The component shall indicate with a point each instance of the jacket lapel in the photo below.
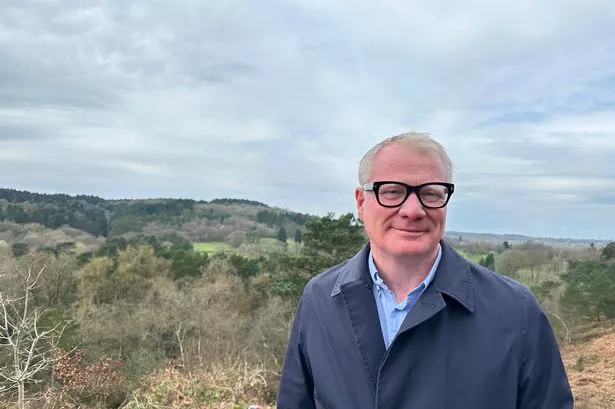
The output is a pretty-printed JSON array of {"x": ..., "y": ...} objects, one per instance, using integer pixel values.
[
  {"x": 355, "y": 287},
  {"x": 452, "y": 279},
  {"x": 430, "y": 303},
  {"x": 363, "y": 316}
]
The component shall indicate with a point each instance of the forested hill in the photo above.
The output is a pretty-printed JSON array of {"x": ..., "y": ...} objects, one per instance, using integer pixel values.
[{"x": 193, "y": 220}]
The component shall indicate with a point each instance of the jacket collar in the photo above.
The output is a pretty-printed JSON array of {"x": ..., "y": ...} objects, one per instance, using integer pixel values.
[
  {"x": 355, "y": 269},
  {"x": 453, "y": 276}
]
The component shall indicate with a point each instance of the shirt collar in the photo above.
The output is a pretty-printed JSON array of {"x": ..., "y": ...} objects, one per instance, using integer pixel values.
[{"x": 373, "y": 272}]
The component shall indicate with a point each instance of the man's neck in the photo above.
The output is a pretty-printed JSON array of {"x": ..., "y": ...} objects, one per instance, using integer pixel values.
[{"x": 402, "y": 274}]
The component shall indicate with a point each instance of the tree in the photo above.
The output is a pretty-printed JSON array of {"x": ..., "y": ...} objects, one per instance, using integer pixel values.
[
  {"x": 112, "y": 308},
  {"x": 191, "y": 318},
  {"x": 590, "y": 289},
  {"x": 327, "y": 241},
  {"x": 185, "y": 262},
  {"x": 57, "y": 286},
  {"x": 510, "y": 262},
  {"x": 136, "y": 268},
  {"x": 244, "y": 267},
  {"x": 544, "y": 290},
  {"x": 339, "y": 238},
  {"x": 298, "y": 235},
  {"x": 488, "y": 261},
  {"x": 30, "y": 347},
  {"x": 476, "y": 247},
  {"x": 236, "y": 238},
  {"x": 20, "y": 249},
  {"x": 608, "y": 253},
  {"x": 282, "y": 235}
]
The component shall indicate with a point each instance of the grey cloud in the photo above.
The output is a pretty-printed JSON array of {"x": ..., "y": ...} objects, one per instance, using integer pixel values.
[
  {"x": 603, "y": 198},
  {"x": 554, "y": 160},
  {"x": 12, "y": 133},
  {"x": 276, "y": 101}
]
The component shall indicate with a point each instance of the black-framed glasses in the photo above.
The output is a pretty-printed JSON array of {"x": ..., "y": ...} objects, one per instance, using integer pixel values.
[{"x": 432, "y": 195}]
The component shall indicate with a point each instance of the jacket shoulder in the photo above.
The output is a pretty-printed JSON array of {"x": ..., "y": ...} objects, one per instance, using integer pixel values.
[
  {"x": 499, "y": 289},
  {"x": 323, "y": 282}
]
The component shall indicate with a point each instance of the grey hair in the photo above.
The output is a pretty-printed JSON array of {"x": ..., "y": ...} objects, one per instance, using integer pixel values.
[{"x": 422, "y": 142}]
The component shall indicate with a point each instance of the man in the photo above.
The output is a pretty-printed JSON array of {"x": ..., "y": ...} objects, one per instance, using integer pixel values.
[{"x": 408, "y": 322}]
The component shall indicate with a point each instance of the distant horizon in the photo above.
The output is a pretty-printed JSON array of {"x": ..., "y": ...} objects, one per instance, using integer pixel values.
[{"x": 282, "y": 208}]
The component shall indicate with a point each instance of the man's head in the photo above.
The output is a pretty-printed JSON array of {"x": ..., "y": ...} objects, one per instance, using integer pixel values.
[{"x": 414, "y": 226}]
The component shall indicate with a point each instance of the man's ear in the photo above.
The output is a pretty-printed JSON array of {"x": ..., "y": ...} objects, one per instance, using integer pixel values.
[{"x": 359, "y": 195}]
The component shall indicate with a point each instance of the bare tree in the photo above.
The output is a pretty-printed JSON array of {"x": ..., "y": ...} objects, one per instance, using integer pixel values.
[
  {"x": 568, "y": 334},
  {"x": 28, "y": 347}
]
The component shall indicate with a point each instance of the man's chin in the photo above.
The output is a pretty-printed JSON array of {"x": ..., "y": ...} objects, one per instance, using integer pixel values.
[{"x": 411, "y": 249}]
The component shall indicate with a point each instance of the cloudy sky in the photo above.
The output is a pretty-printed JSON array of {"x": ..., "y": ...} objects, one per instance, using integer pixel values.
[{"x": 277, "y": 101}]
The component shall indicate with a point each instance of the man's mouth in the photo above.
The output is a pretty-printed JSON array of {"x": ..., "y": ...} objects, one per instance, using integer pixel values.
[{"x": 411, "y": 231}]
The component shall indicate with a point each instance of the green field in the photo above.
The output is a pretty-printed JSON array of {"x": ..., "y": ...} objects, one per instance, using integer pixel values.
[
  {"x": 472, "y": 257},
  {"x": 212, "y": 247},
  {"x": 268, "y": 241},
  {"x": 264, "y": 245}
]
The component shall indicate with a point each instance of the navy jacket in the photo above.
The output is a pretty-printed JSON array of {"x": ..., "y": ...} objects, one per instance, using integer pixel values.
[{"x": 474, "y": 340}]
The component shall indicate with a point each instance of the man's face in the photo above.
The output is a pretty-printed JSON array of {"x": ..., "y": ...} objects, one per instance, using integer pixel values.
[{"x": 411, "y": 229}]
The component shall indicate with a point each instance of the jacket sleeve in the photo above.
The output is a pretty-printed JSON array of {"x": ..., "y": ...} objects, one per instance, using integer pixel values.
[
  {"x": 296, "y": 382},
  {"x": 543, "y": 382}
]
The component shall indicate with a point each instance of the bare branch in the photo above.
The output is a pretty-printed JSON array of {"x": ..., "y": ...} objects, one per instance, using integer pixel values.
[
  {"x": 568, "y": 337},
  {"x": 30, "y": 346}
]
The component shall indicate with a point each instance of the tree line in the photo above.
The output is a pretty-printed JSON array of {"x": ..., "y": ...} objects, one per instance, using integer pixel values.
[
  {"x": 276, "y": 218},
  {"x": 106, "y": 218}
]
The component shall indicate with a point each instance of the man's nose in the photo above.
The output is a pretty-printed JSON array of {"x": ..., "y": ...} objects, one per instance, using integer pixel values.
[{"x": 412, "y": 207}]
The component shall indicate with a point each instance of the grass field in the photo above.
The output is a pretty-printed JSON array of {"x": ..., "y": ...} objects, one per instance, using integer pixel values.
[
  {"x": 472, "y": 257},
  {"x": 264, "y": 245},
  {"x": 212, "y": 247},
  {"x": 291, "y": 244}
]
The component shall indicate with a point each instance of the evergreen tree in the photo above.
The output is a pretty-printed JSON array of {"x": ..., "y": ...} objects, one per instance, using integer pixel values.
[
  {"x": 590, "y": 289},
  {"x": 282, "y": 235},
  {"x": 488, "y": 261},
  {"x": 608, "y": 253},
  {"x": 19, "y": 249},
  {"x": 327, "y": 241}
]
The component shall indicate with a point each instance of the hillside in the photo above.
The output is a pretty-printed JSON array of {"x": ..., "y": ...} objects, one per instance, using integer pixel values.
[
  {"x": 176, "y": 220},
  {"x": 591, "y": 370}
]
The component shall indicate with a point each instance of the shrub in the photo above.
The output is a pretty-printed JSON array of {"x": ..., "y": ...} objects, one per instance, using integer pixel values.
[{"x": 82, "y": 383}]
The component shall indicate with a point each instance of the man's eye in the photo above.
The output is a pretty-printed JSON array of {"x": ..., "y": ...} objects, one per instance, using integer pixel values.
[
  {"x": 433, "y": 194},
  {"x": 392, "y": 191}
]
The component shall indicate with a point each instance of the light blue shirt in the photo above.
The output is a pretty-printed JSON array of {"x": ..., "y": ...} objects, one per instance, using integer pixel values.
[{"x": 391, "y": 313}]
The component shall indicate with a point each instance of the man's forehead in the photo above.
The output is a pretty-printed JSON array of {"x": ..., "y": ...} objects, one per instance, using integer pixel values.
[
  {"x": 404, "y": 161},
  {"x": 403, "y": 153}
]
